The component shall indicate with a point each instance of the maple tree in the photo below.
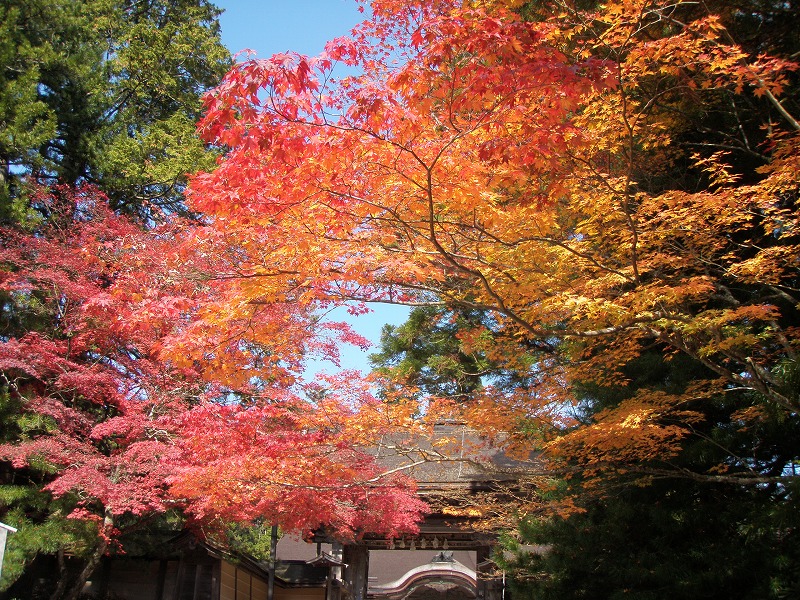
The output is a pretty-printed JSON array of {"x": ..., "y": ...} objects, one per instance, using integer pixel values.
[
  {"x": 86, "y": 403},
  {"x": 523, "y": 168},
  {"x": 102, "y": 436},
  {"x": 587, "y": 183},
  {"x": 90, "y": 410},
  {"x": 287, "y": 463}
]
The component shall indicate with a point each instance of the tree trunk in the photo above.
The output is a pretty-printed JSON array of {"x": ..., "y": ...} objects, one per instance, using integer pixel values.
[{"x": 70, "y": 590}]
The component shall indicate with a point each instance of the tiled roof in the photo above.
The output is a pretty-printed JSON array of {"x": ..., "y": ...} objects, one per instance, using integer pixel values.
[{"x": 453, "y": 456}]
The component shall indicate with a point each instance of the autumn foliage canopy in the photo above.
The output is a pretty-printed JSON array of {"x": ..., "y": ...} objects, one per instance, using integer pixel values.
[
  {"x": 536, "y": 170},
  {"x": 540, "y": 170},
  {"x": 123, "y": 432}
]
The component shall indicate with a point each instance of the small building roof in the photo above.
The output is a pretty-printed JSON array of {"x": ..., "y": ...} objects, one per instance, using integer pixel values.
[{"x": 323, "y": 559}]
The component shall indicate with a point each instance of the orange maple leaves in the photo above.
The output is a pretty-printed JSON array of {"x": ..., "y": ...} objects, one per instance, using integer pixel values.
[
  {"x": 520, "y": 168},
  {"x": 482, "y": 160}
]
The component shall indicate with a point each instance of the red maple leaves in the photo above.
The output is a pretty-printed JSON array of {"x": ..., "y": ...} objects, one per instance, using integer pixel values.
[{"x": 118, "y": 424}]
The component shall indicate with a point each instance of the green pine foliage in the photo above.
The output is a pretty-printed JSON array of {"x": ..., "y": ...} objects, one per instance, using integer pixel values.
[
  {"x": 106, "y": 92},
  {"x": 672, "y": 539},
  {"x": 451, "y": 352}
]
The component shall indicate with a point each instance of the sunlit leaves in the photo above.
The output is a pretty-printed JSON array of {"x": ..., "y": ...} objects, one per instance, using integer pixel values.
[
  {"x": 525, "y": 169},
  {"x": 138, "y": 399},
  {"x": 290, "y": 465}
]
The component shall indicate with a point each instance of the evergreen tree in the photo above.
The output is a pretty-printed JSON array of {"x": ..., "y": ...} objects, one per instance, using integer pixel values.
[
  {"x": 106, "y": 92},
  {"x": 453, "y": 352},
  {"x": 656, "y": 529}
]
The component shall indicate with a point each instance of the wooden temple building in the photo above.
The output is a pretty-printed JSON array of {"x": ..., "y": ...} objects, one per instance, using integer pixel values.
[{"x": 449, "y": 559}]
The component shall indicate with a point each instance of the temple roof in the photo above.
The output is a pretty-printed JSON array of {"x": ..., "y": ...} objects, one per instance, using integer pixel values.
[{"x": 454, "y": 456}]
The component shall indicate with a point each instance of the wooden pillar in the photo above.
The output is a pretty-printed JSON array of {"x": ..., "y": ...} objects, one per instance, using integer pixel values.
[
  {"x": 356, "y": 571},
  {"x": 273, "y": 560},
  {"x": 333, "y": 590},
  {"x": 489, "y": 586}
]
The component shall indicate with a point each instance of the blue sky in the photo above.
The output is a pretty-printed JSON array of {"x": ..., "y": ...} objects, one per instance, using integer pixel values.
[{"x": 270, "y": 26}]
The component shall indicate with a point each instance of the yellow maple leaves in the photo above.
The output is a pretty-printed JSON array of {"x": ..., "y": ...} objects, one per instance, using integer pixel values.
[{"x": 551, "y": 174}]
